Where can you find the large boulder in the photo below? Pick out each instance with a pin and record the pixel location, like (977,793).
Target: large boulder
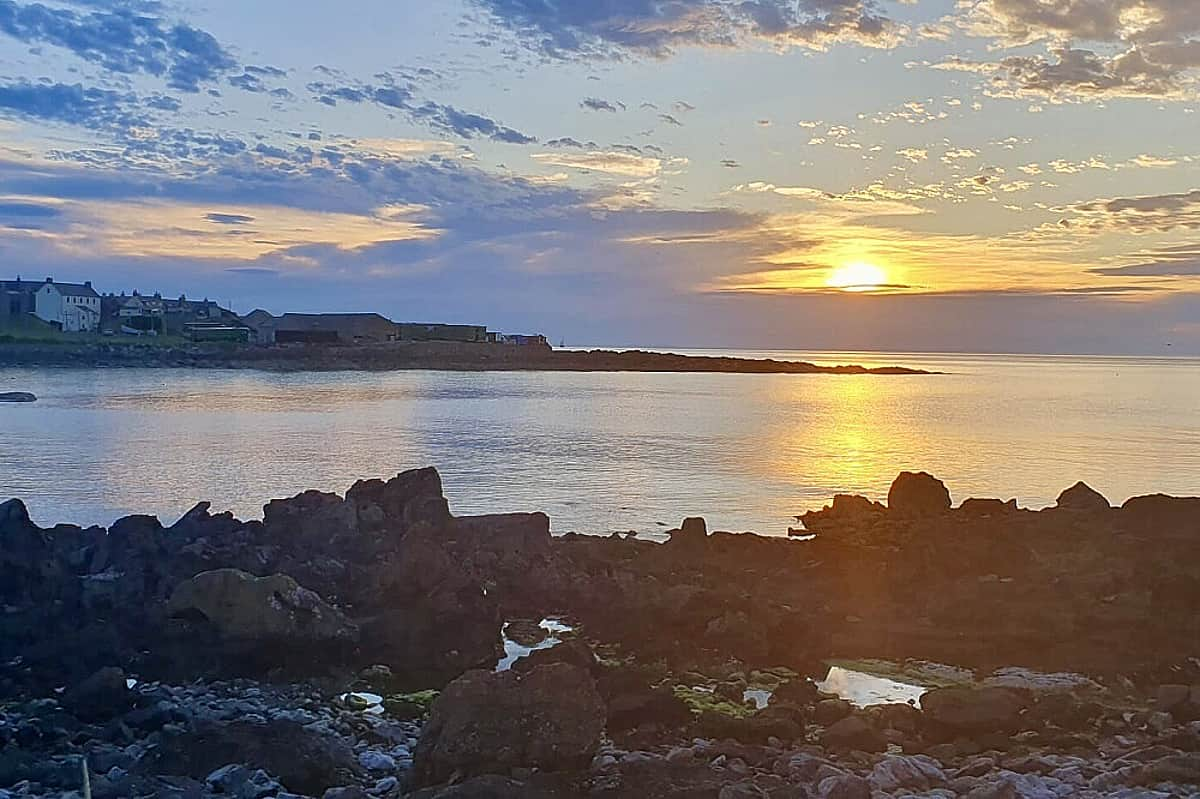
(691,536)
(973,710)
(1083,498)
(492,722)
(918,494)
(241,606)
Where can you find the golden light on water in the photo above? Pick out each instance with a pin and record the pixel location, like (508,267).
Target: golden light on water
(857,276)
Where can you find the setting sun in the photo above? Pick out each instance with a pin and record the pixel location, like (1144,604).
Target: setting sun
(857,276)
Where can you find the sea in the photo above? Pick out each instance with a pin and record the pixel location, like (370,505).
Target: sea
(602,452)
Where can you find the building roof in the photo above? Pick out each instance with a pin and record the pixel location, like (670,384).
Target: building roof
(74,289)
(21,285)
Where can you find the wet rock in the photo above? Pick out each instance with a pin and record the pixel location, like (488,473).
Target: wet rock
(526,632)
(17,396)
(973,710)
(490,723)
(1082,498)
(240,605)
(918,494)
(100,697)
(799,692)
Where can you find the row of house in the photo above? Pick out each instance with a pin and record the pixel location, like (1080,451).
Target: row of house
(364,328)
(78,308)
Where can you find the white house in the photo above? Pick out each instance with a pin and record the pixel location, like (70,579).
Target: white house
(73,307)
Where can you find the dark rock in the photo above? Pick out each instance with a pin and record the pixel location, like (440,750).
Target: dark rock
(100,697)
(575,652)
(486,787)
(974,710)
(984,508)
(490,723)
(691,536)
(829,711)
(305,760)
(799,692)
(853,733)
(1081,497)
(918,494)
(17,396)
(638,706)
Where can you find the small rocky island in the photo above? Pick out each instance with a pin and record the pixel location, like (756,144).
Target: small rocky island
(347,647)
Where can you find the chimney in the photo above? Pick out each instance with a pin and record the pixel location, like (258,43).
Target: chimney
(49,280)
(87,283)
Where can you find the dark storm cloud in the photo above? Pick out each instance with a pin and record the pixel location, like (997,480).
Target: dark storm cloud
(122,39)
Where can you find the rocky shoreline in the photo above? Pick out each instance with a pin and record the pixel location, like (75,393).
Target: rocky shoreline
(401,356)
(347,647)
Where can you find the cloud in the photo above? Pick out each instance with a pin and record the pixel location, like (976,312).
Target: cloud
(122,40)
(1149,46)
(229,219)
(1180,261)
(1155,213)
(395,97)
(611,162)
(596,104)
(71,104)
(619,28)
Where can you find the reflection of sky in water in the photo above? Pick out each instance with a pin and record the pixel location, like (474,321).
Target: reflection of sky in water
(867,689)
(599,452)
(514,651)
(759,696)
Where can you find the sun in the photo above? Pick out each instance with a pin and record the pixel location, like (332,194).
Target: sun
(857,276)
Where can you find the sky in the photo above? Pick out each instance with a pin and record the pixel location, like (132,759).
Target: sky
(928,175)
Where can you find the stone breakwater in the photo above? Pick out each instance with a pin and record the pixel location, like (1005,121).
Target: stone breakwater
(216,657)
(402,356)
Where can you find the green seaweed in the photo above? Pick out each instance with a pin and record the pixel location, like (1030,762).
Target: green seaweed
(702,701)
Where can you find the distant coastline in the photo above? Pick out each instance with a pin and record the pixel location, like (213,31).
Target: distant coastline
(398,356)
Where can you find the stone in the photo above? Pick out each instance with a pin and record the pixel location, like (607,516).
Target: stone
(240,605)
(376,761)
(847,786)
(853,733)
(1170,697)
(17,396)
(829,711)
(973,710)
(912,772)
(742,790)
(492,722)
(918,494)
(1082,498)
(100,697)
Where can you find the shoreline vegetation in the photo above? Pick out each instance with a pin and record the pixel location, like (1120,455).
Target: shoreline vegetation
(396,356)
(350,646)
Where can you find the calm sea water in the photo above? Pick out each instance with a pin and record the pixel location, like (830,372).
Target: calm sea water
(601,452)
